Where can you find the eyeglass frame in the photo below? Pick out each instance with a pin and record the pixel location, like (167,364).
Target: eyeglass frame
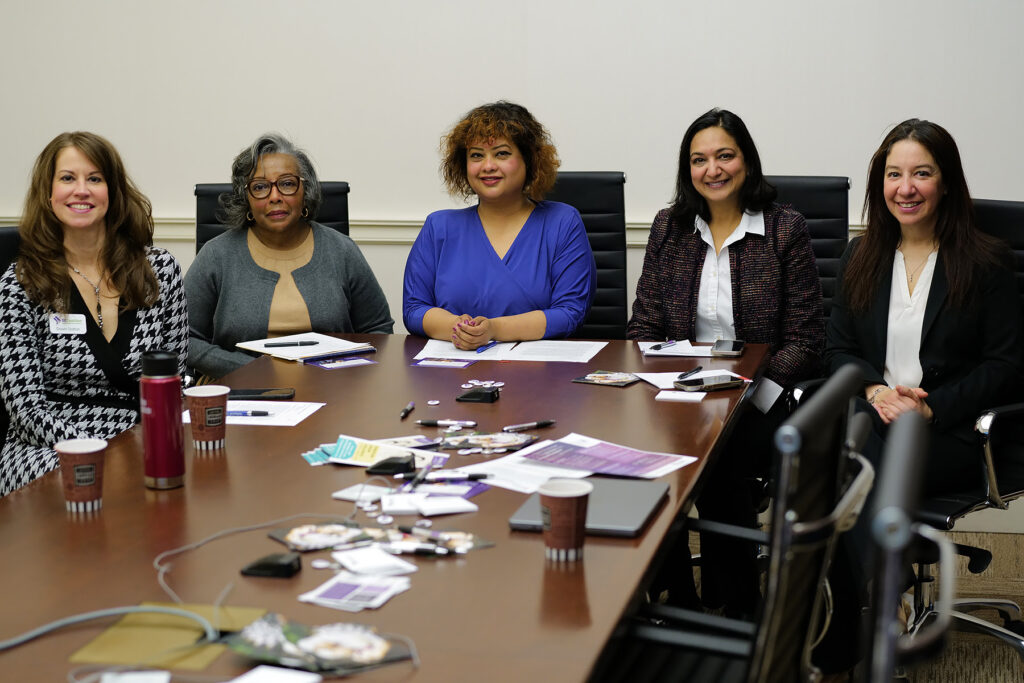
(273,184)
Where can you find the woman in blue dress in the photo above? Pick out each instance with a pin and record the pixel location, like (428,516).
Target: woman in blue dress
(513,267)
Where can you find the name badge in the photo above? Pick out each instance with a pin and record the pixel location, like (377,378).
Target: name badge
(71,323)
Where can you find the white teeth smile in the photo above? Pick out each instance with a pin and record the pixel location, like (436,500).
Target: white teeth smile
(80,207)
(908,205)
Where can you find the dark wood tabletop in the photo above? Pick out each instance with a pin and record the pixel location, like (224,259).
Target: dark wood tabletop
(499,614)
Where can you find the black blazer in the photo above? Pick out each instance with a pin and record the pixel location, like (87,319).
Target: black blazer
(971,355)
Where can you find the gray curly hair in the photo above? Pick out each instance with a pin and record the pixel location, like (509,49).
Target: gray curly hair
(235,205)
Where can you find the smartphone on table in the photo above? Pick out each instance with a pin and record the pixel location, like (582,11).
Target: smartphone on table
(709,383)
(273,394)
(728,348)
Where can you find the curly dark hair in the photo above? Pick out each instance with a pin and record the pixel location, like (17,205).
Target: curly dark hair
(42,268)
(965,250)
(755,194)
(234,206)
(500,120)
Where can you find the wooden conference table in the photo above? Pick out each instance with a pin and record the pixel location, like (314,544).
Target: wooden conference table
(498,614)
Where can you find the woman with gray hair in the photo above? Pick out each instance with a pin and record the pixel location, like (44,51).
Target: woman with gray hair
(277,271)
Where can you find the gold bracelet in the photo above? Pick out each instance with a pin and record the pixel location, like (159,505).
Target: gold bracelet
(875,393)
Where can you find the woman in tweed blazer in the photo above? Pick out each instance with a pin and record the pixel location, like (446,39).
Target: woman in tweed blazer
(725,262)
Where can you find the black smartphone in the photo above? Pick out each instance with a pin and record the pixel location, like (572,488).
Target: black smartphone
(278,394)
(709,383)
(727,347)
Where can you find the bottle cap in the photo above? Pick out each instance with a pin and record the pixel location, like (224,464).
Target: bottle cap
(159,364)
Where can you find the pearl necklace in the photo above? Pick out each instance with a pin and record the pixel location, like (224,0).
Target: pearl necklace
(96,288)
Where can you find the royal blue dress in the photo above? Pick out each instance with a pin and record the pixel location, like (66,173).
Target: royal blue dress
(548,268)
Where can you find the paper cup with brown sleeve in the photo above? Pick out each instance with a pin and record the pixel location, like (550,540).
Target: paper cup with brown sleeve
(208,413)
(563,513)
(81,473)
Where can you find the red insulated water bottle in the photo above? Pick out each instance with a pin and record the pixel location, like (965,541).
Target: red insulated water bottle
(160,405)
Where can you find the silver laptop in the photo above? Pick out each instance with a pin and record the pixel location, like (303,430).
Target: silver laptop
(617,507)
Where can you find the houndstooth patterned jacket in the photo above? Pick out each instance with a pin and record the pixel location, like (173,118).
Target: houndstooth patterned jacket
(52,384)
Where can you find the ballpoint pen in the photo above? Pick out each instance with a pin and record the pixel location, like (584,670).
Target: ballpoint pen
(481,349)
(663,345)
(269,345)
(248,413)
(688,373)
(447,423)
(406,410)
(527,425)
(446,476)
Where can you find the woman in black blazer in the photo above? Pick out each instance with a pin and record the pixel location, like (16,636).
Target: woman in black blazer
(927,304)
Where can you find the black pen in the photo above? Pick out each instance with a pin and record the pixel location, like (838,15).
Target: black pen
(269,345)
(406,410)
(447,423)
(446,476)
(684,375)
(527,425)
(663,345)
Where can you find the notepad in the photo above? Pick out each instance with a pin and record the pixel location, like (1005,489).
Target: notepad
(325,347)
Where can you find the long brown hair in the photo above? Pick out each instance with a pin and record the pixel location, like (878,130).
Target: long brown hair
(42,268)
(964,249)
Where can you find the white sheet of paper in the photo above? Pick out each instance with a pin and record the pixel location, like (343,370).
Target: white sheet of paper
(680,396)
(282,413)
(664,380)
(446,505)
(681,348)
(435,348)
(373,560)
(558,351)
(516,473)
(264,673)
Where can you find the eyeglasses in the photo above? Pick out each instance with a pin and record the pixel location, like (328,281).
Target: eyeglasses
(286,185)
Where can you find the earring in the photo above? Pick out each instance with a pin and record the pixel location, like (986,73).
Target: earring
(249,217)
(305,212)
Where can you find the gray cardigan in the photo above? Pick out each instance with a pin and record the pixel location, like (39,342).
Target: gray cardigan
(229,296)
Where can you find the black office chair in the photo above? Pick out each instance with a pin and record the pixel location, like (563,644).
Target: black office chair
(825,202)
(672,644)
(1001,431)
(893,531)
(599,197)
(9,242)
(333,210)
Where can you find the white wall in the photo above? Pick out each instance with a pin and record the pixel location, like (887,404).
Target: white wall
(369,87)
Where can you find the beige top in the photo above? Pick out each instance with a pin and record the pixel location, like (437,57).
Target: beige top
(288,311)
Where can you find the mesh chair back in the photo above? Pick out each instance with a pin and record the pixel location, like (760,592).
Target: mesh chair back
(825,202)
(599,197)
(333,210)
(809,453)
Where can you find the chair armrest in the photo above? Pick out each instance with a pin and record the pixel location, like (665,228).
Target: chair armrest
(740,532)
(801,391)
(994,425)
(679,615)
(725,645)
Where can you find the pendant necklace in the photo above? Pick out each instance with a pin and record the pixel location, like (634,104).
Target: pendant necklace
(96,288)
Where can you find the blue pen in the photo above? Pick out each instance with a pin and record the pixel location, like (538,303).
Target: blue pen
(481,349)
(248,413)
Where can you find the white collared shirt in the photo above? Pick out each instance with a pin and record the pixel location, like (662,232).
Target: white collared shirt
(906,319)
(714,297)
